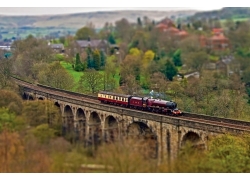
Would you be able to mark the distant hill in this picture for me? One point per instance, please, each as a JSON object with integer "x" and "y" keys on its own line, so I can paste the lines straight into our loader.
{"x": 224, "y": 13}
{"x": 76, "y": 21}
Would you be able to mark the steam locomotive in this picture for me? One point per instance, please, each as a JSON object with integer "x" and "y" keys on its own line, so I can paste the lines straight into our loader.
{"x": 140, "y": 103}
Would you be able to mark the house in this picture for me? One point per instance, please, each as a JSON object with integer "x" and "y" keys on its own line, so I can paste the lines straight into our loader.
{"x": 58, "y": 48}
{"x": 5, "y": 45}
{"x": 228, "y": 65}
{"x": 217, "y": 42}
{"x": 168, "y": 27}
{"x": 95, "y": 44}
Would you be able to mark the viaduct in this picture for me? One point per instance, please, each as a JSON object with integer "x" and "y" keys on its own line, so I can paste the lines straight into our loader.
{"x": 94, "y": 122}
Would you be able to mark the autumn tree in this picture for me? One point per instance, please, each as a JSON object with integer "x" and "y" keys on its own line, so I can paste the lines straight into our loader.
{"x": 11, "y": 151}
{"x": 131, "y": 65}
{"x": 145, "y": 68}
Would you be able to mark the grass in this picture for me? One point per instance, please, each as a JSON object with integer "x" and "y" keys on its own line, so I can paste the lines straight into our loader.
{"x": 69, "y": 68}
{"x": 77, "y": 75}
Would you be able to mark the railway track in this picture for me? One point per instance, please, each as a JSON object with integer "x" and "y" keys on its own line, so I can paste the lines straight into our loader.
{"x": 222, "y": 122}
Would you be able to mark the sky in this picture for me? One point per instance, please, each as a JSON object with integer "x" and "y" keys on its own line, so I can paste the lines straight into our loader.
{"x": 50, "y": 7}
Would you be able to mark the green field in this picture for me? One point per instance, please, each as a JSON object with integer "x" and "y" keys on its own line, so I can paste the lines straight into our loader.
{"x": 77, "y": 75}
{"x": 223, "y": 21}
{"x": 70, "y": 69}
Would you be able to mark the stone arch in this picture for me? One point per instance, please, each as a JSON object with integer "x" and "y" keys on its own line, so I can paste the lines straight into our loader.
{"x": 95, "y": 129}
{"x": 194, "y": 139}
{"x": 31, "y": 97}
{"x": 143, "y": 132}
{"x": 68, "y": 120}
{"x": 57, "y": 104}
{"x": 25, "y": 96}
{"x": 40, "y": 98}
{"x": 28, "y": 96}
{"x": 81, "y": 124}
{"x": 111, "y": 129}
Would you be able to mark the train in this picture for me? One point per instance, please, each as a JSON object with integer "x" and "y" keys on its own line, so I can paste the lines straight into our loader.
{"x": 140, "y": 103}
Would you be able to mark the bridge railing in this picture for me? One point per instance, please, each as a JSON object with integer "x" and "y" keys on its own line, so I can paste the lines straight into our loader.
{"x": 68, "y": 92}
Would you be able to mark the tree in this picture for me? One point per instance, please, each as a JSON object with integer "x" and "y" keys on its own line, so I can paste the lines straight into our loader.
{"x": 11, "y": 100}
{"x": 96, "y": 59}
{"x": 109, "y": 73}
{"x": 131, "y": 85}
{"x": 11, "y": 151}
{"x": 124, "y": 30}
{"x": 158, "y": 82}
{"x": 79, "y": 66}
{"x": 177, "y": 58}
{"x": 84, "y": 33}
{"x": 145, "y": 68}
{"x": 139, "y": 23}
{"x": 5, "y": 72}
{"x": 111, "y": 39}
{"x": 228, "y": 153}
{"x": 130, "y": 66}
{"x": 44, "y": 133}
{"x": 196, "y": 60}
{"x": 91, "y": 80}
{"x": 246, "y": 75}
{"x": 56, "y": 76}
{"x": 139, "y": 40}
{"x": 103, "y": 58}
{"x": 41, "y": 112}
{"x": 170, "y": 70}
{"x": 27, "y": 52}
{"x": 90, "y": 61}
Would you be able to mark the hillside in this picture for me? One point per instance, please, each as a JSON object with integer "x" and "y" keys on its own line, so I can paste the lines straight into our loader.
{"x": 224, "y": 13}
{"x": 76, "y": 21}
